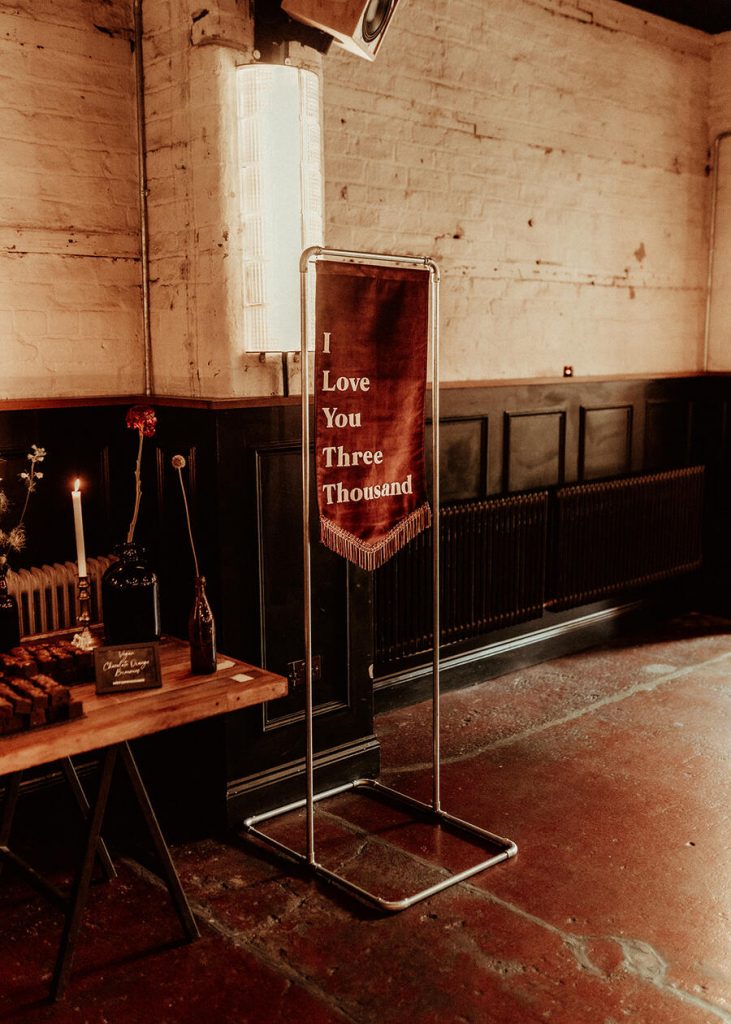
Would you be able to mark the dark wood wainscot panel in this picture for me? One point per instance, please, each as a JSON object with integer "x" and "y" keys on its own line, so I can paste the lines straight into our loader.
{"x": 667, "y": 433}
{"x": 535, "y": 449}
{"x": 550, "y": 436}
{"x": 499, "y": 443}
{"x": 605, "y": 441}
{"x": 243, "y": 484}
{"x": 245, "y": 498}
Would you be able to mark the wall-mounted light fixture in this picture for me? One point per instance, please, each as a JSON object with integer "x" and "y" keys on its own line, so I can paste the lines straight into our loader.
{"x": 280, "y": 174}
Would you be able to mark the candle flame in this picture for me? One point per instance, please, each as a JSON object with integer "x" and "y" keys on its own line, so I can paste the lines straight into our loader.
{"x": 77, "y": 485}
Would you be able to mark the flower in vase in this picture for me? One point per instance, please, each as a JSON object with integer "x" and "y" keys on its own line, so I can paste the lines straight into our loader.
{"x": 13, "y": 539}
{"x": 141, "y": 418}
{"x": 178, "y": 464}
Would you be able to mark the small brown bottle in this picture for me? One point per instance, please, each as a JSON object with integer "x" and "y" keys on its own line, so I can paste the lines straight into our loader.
{"x": 201, "y": 632}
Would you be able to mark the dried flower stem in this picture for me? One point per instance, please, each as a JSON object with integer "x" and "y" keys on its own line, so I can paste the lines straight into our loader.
{"x": 14, "y": 539}
{"x": 25, "y": 507}
{"x": 187, "y": 520}
{"x": 141, "y": 418}
{"x": 36, "y": 455}
{"x": 138, "y": 490}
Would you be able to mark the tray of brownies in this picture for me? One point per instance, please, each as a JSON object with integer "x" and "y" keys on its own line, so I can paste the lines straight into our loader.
{"x": 36, "y": 683}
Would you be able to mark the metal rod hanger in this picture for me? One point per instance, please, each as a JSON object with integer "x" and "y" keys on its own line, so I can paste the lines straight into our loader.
{"x": 433, "y": 811}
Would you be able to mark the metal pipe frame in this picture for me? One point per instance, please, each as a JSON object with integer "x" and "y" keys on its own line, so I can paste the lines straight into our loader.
{"x": 371, "y": 787}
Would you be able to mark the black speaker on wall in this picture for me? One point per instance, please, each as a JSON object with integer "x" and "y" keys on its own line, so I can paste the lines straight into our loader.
{"x": 357, "y": 25}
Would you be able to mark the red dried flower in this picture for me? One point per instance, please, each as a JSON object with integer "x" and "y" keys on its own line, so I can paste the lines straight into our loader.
{"x": 142, "y": 418}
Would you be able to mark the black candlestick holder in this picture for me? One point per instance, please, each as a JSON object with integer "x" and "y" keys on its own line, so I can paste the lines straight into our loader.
{"x": 84, "y": 640}
{"x": 84, "y": 616}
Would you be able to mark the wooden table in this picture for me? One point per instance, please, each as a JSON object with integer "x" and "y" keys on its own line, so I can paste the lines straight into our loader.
{"x": 109, "y": 723}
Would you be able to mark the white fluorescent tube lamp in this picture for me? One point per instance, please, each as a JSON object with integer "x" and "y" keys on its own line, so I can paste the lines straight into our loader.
{"x": 280, "y": 174}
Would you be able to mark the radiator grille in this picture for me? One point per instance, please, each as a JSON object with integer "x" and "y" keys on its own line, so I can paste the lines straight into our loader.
{"x": 623, "y": 533}
{"x": 46, "y": 595}
{"x": 492, "y": 561}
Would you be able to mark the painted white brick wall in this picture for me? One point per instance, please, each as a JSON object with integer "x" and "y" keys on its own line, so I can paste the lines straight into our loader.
{"x": 70, "y": 321}
{"x": 551, "y": 156}
{"x": 196, "y": 280}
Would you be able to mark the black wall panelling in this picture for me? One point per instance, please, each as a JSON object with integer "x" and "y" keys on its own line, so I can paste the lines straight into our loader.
{"x": 553, "y": 434}
{"x": 502, "y": 443}
{"x": 73, "y": 450}
{"x": 605, "y": 441}
{"x": 243, "y": 486}
{"x": 535, "y": 449}
{"x": 342, "y": 715}
{"x": 281, "y": 582}
{"x": 463, "y": 469}
{"x": 264, "y": 533}
{"x": 667, "y": 433}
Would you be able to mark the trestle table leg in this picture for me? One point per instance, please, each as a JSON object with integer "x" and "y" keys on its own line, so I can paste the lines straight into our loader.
{"x": 74, "y": 782}
{"x": 172, "y": 881}
{"x": 94, "y": 845}
{"x": 80, "y": 890}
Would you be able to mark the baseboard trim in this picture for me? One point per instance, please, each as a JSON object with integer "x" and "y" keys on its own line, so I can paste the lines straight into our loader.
{"x": 285, "y": 783}
{"x": 468, "y": 668}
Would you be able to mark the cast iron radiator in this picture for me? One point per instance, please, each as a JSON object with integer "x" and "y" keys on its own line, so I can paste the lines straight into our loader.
{"x": 618, "y": 534}
{"x": 492, "y": 562}
{"x": 46, "y": 595}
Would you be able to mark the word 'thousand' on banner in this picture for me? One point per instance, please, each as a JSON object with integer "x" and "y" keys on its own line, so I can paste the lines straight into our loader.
{"x": 371, "y": 339}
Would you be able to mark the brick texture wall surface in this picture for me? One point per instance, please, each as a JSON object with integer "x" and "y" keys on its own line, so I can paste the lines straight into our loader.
{"x": 551, "y": 156}
{"x": 196, "y": 284}
{"x": 70, "y": 320}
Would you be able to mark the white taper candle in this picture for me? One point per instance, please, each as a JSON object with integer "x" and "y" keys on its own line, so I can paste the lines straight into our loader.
{"x": 79, "y": 528}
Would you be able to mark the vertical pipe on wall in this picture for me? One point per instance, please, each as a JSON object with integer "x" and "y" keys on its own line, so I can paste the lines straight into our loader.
{"x": 142, "y": 186}
{"x": 715, "y": 158}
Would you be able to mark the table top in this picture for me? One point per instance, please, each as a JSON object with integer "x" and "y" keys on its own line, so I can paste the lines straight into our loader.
{"x": 116, "y": 717}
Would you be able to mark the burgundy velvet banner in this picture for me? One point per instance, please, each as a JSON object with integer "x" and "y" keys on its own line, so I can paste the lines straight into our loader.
{"x": 371, "y": 336}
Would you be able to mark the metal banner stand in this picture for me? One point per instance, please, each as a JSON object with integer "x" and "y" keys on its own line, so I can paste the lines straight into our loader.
{"x": 433, "y": 811}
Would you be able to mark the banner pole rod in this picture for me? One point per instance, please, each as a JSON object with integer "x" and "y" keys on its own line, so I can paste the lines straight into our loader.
{"x": 316, "y": 252}
{"x": 436, "y": 711}
{"x": 306, "y": 563}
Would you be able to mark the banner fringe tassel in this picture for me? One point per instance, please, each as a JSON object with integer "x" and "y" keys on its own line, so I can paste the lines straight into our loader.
{"x": 371, "y": 556}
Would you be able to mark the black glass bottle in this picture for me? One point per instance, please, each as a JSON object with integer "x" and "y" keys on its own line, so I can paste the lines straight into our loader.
{"x": 130, "y": 598}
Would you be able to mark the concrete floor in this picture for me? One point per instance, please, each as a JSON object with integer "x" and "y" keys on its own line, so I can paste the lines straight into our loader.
{"x": 610, "y": 769}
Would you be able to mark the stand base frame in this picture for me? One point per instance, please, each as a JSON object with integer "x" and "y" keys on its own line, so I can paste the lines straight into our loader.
{"x": 438, "y": 817}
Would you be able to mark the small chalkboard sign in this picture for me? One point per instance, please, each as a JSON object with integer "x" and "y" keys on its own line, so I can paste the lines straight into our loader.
{"x": 127, "y": 667}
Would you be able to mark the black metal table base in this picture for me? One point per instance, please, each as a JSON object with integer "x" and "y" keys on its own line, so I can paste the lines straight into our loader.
{"x": 95, "y": 849}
